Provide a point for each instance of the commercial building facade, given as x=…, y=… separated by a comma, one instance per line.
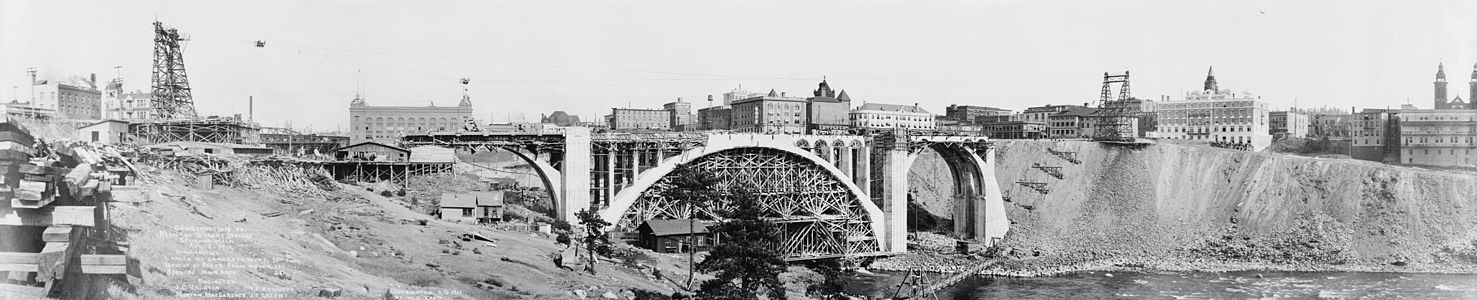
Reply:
x=1216, y=115
x=77, y=100
x=827, y=112
x=680, y=115
x=971, y=114
x=1374, y=135
x=1285, y=124
x=640, y=119
x=769, y=114
x=386, y=124
x=1444, y=137
x=891, y=116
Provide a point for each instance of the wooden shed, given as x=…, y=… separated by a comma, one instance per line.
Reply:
x=371, y=151
x=670, y=236
x=105, y=131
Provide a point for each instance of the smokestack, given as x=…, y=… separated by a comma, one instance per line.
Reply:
x=251, y=108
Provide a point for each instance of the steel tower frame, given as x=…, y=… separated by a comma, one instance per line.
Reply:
x=1112, y=114
x=172, y=99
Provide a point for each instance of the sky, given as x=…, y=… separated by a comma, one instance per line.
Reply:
x=527, y=58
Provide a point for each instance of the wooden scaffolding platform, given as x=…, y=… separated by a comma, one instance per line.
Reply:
x=398, y=173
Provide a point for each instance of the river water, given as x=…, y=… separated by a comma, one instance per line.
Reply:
x=1192, y=285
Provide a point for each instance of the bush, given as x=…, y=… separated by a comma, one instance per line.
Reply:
x=385, y=193
x=400, y=193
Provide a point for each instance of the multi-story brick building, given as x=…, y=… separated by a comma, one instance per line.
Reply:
x=971, y=114
x=1374, y=135
x=1043, y=114
x=1285, y=124
x=1213, y=114
x=890, y=116
x=1442, y=137
x=769, y=114
x=1071, y=123
x=78, y=99
x=680, y=116
x=714, y=118
x=1331, y=125
x=1002, y=127
x=128, y=106
x=827, y=112
x=386, y=124
x=640, y=119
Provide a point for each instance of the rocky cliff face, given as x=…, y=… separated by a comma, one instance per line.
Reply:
x=1196, y=203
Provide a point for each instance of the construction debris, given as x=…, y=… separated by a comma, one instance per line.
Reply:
x=1038, y=186
x=1066, y=155
x=1053, y=171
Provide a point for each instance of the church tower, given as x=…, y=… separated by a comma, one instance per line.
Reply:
x=1210, y=85
x=1472, y=90
x=1440, y=87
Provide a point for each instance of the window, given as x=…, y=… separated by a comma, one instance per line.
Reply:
x=94, y=136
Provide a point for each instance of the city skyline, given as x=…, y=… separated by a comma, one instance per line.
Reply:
x=527, y=59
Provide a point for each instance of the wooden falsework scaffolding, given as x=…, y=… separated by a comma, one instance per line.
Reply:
x=209, y=131
x=398, y=173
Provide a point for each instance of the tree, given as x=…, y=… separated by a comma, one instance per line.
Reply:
x=596, y=241
x=749, y=257
x=834, y=282
x=691, y=188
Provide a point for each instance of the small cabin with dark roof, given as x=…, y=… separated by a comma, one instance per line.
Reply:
x=670, y=236
x=371, y=151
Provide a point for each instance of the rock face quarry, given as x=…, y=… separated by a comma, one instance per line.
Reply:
x=1192, y=203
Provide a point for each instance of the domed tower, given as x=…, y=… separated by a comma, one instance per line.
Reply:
x=1440, y=87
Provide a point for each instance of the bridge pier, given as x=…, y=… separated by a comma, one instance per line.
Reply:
x=895, y=193
x=576, y=171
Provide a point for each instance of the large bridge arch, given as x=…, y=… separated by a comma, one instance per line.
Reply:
x=551, y=177
x=979, y=209
x=622, y=203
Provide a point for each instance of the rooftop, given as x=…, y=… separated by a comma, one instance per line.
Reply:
x=892, y=107
x=674, y=227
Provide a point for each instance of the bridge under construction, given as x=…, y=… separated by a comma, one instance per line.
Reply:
x=833, y=195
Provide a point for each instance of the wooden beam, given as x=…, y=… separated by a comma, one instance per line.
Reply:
x=18, y=258
x=18, y=268
x=57, y=234
x=74, y=215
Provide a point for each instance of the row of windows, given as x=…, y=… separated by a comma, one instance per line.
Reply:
x=1438, y=151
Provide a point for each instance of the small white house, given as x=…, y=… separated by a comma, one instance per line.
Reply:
x=105, y=131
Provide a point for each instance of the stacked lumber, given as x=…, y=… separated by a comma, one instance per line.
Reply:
x=59, y=187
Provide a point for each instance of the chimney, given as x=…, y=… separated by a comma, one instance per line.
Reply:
x=92, y=79
x=782, y=94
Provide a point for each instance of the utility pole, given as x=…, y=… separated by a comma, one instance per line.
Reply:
x=32, y=71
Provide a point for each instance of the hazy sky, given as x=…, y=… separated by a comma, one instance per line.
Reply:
x=531, y=57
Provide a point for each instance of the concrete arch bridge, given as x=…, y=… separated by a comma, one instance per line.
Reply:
x=832, y=195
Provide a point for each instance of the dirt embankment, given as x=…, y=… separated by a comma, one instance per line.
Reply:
x=352, y=243
x=1200, y=208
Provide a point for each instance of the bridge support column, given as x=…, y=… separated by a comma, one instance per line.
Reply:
x=846, y=163
x=895, y=197
x=991, y=208
x=863, y=174
x=576, y=171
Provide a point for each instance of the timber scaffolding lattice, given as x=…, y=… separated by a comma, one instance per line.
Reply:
x=1053, y=171
x=398, y=173
x=209, y=131
x=1038, y=186
x=1069, y=156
